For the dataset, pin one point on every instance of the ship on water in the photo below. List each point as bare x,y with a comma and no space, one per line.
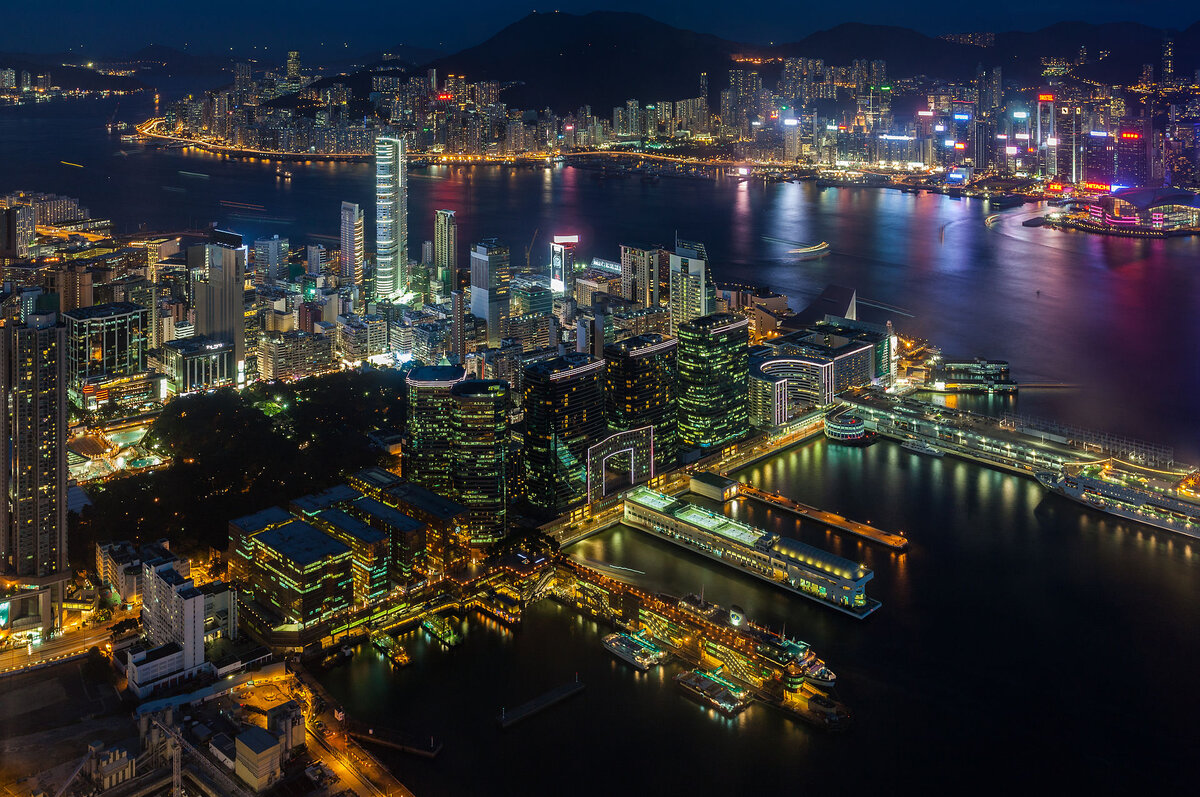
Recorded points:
634,649
711,690
918,447
390,648
781,650
1168,500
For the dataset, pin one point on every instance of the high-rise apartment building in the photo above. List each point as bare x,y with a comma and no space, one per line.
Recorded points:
714,367
293,65
17,231
428,456
33,462
693,293
391,218
639,391
445,250
106,340
270,260
490,286
563,402
351,256
639,275
220,294
479,425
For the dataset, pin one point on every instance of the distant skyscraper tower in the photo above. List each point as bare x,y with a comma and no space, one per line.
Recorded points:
562,264
639,390
714,372
445,249
17,231
220,293
33,410
639,275
351,255
481,444
427,458
391,218
563,403
490,286
293,65
316,260
693,293
270,259
1168,61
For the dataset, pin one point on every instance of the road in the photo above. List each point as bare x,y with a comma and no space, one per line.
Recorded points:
53,650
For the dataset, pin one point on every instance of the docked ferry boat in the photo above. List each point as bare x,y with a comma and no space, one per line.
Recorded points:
1168,500
635,650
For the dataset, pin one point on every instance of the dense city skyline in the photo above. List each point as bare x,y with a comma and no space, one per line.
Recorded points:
124,26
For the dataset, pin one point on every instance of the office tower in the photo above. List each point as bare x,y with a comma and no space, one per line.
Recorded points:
427,459
639,275
563,402
489,286
713,388
242,82
220,294
73,282
107,340
639,391
1099,158
351,255
1045,138
293,66
270,260
1168,61
17,231
445,249
481,446
427,253
33,512
793,140
458,333
693,293
592,331
530,297
316,260
1135,153
562,264
391,218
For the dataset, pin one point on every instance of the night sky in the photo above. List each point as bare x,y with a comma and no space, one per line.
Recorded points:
104,27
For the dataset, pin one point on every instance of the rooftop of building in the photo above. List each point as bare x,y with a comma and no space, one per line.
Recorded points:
431,503
251,524
824,561
256,740
387,515
435,375
495,388
353,527
640,345
301,543
714,322
104,311
562,364
377,477
197,344
1147,198
314,502
696,515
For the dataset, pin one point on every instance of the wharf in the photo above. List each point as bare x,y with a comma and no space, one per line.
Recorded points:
527,710
385,737
896,542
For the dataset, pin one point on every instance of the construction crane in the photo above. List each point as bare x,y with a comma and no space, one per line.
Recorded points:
529,250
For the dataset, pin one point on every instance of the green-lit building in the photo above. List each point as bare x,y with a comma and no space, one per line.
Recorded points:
427,457
371,549
564,415
713,386
639,391
481,454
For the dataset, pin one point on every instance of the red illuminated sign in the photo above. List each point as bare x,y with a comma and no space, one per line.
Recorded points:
1045,98
1097,186
445,96
1131,135
1054,187
960,145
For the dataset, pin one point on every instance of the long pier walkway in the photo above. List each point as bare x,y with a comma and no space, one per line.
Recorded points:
896,542
527,710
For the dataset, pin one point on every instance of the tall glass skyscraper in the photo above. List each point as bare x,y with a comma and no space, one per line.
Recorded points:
639,391
391,218
714,372
427,457
445,250
490,286
564,415
351,254
480,439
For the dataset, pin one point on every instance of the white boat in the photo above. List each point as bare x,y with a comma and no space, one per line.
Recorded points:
1163,499
918,447
634,650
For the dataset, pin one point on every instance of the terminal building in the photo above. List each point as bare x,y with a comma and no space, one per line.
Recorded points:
1147,210
785,562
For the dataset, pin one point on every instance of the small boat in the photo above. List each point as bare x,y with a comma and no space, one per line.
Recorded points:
1036,221
918,447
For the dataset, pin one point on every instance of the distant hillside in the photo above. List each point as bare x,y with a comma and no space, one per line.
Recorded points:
601,59
68,77
907,52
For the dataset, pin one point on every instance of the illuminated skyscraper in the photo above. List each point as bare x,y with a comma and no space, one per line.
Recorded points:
445,249
562,264
391,218
220,294
639,391
693,293
639,275
33,409
563,401
1168,61
1135,153
427,457
270,259
489,286
293,66
17,231
481,445
351,255
714,368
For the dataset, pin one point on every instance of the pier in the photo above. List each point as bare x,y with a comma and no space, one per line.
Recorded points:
385,737
541,703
